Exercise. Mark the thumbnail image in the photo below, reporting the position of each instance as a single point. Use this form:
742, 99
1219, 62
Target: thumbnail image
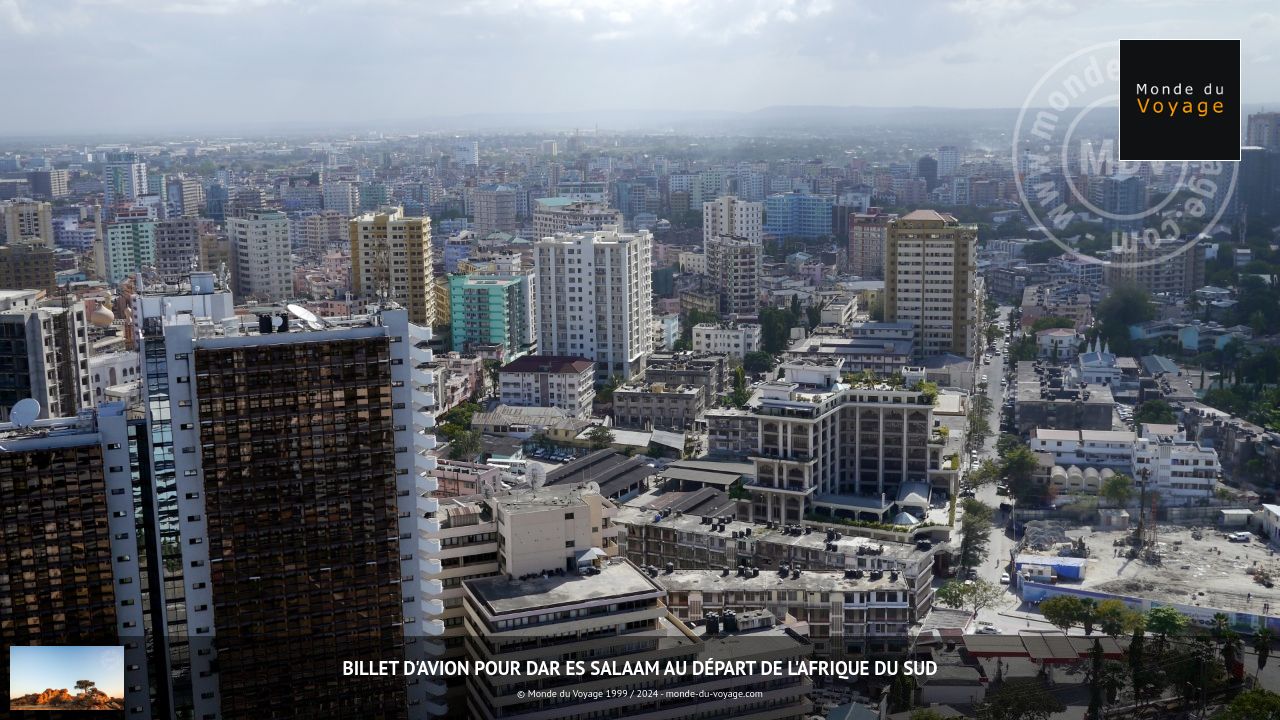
72, 677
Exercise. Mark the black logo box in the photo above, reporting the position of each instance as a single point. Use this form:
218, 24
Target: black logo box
1190, 65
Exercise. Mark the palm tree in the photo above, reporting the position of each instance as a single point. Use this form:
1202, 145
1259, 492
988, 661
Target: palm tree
1232, 649
1262, 645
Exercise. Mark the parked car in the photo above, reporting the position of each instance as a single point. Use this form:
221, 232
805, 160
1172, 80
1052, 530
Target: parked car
1004, 578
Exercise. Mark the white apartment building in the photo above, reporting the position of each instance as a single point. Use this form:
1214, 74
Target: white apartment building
261, 263
494, 209
549, 381
727, 215
595, 298
931, 280
732, 340
342, 197
692, 262
1178, 468
1086, 448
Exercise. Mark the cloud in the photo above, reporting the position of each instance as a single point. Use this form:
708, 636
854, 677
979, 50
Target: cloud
12, 18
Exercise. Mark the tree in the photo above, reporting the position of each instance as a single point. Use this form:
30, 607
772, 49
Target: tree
1165, 622
1256, 704
1137, 659
1020, 699
1118, 489
465, 445
1127, 304
739, 396
876, 309
974, 594
1006, 443
1050, 322
84, 685
1154, 411
1114, 618
1018, 468
987, 472
757, 362
1097, 693
1262, 646
605, 393
975, 532
600, 437
1063, 611
925, 714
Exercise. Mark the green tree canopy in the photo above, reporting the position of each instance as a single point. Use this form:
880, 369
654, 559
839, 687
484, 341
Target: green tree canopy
1118, 489
1155, 411
1020, 699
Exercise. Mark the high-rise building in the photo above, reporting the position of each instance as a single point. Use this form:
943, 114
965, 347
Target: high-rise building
184, 196
124, 178
594, 295
1258, 183
27, 221
320, 231
927, 168
342, 197
1264, 131
49, 184
489, 315
868, 233
1122, 200
734, 266
494, 209
797, 214
466, 152
262, 265
948, 161
557, 215
28, 267
379, 241
727, 215
291, 476
44, 355
71, 550
1160, 267
177, 247
127, 248
931, 280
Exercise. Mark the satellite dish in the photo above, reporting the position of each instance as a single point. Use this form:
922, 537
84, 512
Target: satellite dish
277, 321
591, 488
307, 317
25, 412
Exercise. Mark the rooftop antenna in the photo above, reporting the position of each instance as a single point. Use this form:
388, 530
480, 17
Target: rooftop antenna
307, 317
24, 413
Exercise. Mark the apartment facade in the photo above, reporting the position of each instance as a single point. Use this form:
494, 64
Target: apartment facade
868, 236
28, 267
931, 281
27, 221
727, 216
1164, 267
177, 247
595, 299
45, 356
262, 265
489, 315
658, 406
391, 257
734, 341
567, 383
734, 265
494, 209
557, 215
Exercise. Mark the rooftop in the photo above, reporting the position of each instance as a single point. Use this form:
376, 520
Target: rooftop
769, 579
548, 363
616, 580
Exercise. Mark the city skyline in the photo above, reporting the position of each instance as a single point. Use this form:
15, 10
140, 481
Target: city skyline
210, 58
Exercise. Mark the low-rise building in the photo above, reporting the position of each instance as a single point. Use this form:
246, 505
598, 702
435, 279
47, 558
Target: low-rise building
1174, 466
660, 406
708, 371
549, 381
1057, 343
726, 339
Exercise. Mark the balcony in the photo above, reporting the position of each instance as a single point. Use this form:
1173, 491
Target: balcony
433, 687
431, 587
435, 606
433, 628
430, 526
435, 709
423, 376
427, 504
424, 440
419, 333
428, 483
424, 420
431, 566
424, 398
431, 546
426, 463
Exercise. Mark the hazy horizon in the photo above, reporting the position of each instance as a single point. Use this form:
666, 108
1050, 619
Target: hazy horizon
147, 66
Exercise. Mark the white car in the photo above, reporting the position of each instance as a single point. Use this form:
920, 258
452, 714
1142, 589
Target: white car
1004, 578
985, 378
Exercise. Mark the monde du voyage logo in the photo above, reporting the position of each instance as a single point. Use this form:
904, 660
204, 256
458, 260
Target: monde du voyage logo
1180, 100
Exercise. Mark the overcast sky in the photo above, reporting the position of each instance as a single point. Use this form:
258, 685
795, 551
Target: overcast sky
147, 65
